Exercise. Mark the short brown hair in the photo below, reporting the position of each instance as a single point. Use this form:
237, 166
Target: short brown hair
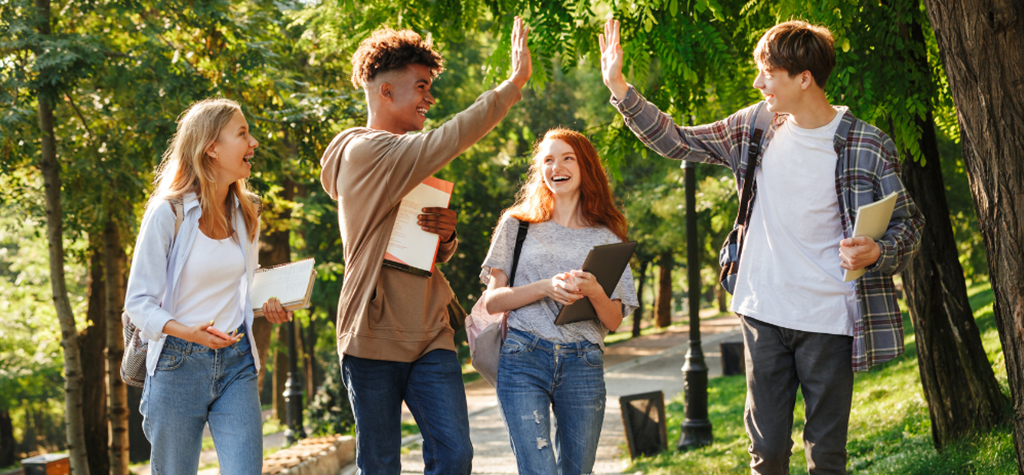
387, 50
798, 46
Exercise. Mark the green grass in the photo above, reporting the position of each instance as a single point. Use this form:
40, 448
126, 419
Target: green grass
625, 333
409, 428
890, 431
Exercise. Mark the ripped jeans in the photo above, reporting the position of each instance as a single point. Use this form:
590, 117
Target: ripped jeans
536, 374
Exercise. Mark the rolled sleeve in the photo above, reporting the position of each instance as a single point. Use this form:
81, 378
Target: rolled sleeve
446, 250
147, 279
902, 239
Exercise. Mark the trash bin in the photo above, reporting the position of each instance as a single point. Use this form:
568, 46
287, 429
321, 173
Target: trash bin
643, 417
49, 464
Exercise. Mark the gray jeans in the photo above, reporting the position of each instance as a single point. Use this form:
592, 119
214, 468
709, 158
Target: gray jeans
778, 361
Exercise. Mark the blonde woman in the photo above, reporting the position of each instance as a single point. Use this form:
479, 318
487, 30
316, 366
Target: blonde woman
188, 293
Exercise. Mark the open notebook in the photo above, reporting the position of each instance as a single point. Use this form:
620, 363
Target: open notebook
291, 283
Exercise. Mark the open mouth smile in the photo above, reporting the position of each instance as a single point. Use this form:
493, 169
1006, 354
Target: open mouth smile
422, 111
559, 178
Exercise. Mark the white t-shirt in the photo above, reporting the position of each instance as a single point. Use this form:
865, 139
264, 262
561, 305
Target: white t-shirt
211, 282
790, 272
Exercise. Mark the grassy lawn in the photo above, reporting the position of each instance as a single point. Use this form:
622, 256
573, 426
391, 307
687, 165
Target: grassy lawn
889, 427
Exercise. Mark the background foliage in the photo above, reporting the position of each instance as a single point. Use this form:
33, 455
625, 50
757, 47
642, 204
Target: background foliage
121, 71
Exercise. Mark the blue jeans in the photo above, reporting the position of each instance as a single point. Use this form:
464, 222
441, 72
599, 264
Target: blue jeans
194, 385
432, 388
536, 374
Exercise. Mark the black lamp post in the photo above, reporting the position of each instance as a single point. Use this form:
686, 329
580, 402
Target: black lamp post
696, 429
293, 392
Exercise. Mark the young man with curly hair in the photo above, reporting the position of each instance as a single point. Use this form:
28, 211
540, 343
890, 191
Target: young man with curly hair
803, 325
394, 339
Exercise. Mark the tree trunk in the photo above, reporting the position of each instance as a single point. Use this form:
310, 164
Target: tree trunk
309, 358
7, 442
281, 374
50, 168
638, 314
663, 307
982, 47
961, 389
275, 249
92, 343
261, 332
113, 276
139, 448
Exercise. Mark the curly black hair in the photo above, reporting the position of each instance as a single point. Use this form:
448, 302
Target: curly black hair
388, 49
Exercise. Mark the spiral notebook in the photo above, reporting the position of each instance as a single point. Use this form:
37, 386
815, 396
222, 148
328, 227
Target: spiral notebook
291, 283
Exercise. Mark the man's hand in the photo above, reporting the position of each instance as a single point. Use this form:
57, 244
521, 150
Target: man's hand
440, 221
522, 64
611, 60
858, 253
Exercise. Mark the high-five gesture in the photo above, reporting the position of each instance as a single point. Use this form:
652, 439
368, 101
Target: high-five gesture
522, 64
611, 60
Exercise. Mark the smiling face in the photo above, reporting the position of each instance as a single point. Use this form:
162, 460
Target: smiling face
407, 97
560, 167
783, 92
233, 151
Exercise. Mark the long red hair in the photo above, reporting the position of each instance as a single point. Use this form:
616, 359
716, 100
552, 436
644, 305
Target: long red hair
535, 202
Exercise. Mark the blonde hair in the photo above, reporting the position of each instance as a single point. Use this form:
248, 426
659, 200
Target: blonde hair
186, 167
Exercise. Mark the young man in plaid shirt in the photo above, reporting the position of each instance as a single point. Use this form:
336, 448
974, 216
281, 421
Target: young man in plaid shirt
803, 326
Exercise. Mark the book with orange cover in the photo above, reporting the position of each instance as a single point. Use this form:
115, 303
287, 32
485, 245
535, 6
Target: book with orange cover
410, 248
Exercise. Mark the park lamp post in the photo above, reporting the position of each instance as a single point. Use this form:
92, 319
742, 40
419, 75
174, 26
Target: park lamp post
293, 392
696, 428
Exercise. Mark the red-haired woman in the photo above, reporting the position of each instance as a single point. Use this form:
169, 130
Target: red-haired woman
568, 205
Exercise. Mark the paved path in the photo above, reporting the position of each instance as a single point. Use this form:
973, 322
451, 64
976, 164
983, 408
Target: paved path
648, 363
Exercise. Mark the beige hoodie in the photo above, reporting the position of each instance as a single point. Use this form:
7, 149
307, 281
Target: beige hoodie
384, 313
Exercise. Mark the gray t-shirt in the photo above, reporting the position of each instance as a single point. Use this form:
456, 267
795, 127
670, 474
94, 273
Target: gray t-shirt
551, 249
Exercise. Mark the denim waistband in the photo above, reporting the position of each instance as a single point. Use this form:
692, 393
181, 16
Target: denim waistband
187, 347
536, 342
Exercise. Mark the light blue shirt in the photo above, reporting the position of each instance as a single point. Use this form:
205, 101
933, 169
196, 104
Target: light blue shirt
151, 296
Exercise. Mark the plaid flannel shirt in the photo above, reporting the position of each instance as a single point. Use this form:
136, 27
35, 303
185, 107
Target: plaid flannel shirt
867, 170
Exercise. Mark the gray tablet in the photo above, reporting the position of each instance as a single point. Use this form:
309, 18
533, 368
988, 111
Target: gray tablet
607, 263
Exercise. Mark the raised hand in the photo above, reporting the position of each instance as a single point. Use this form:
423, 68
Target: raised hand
611, 60
522, 64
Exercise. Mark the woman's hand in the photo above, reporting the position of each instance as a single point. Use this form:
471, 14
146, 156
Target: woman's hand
587, 283
563, 290
203, 334
274, 312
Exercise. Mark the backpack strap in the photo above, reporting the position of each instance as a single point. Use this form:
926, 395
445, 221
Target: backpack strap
760, 121
520, 239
